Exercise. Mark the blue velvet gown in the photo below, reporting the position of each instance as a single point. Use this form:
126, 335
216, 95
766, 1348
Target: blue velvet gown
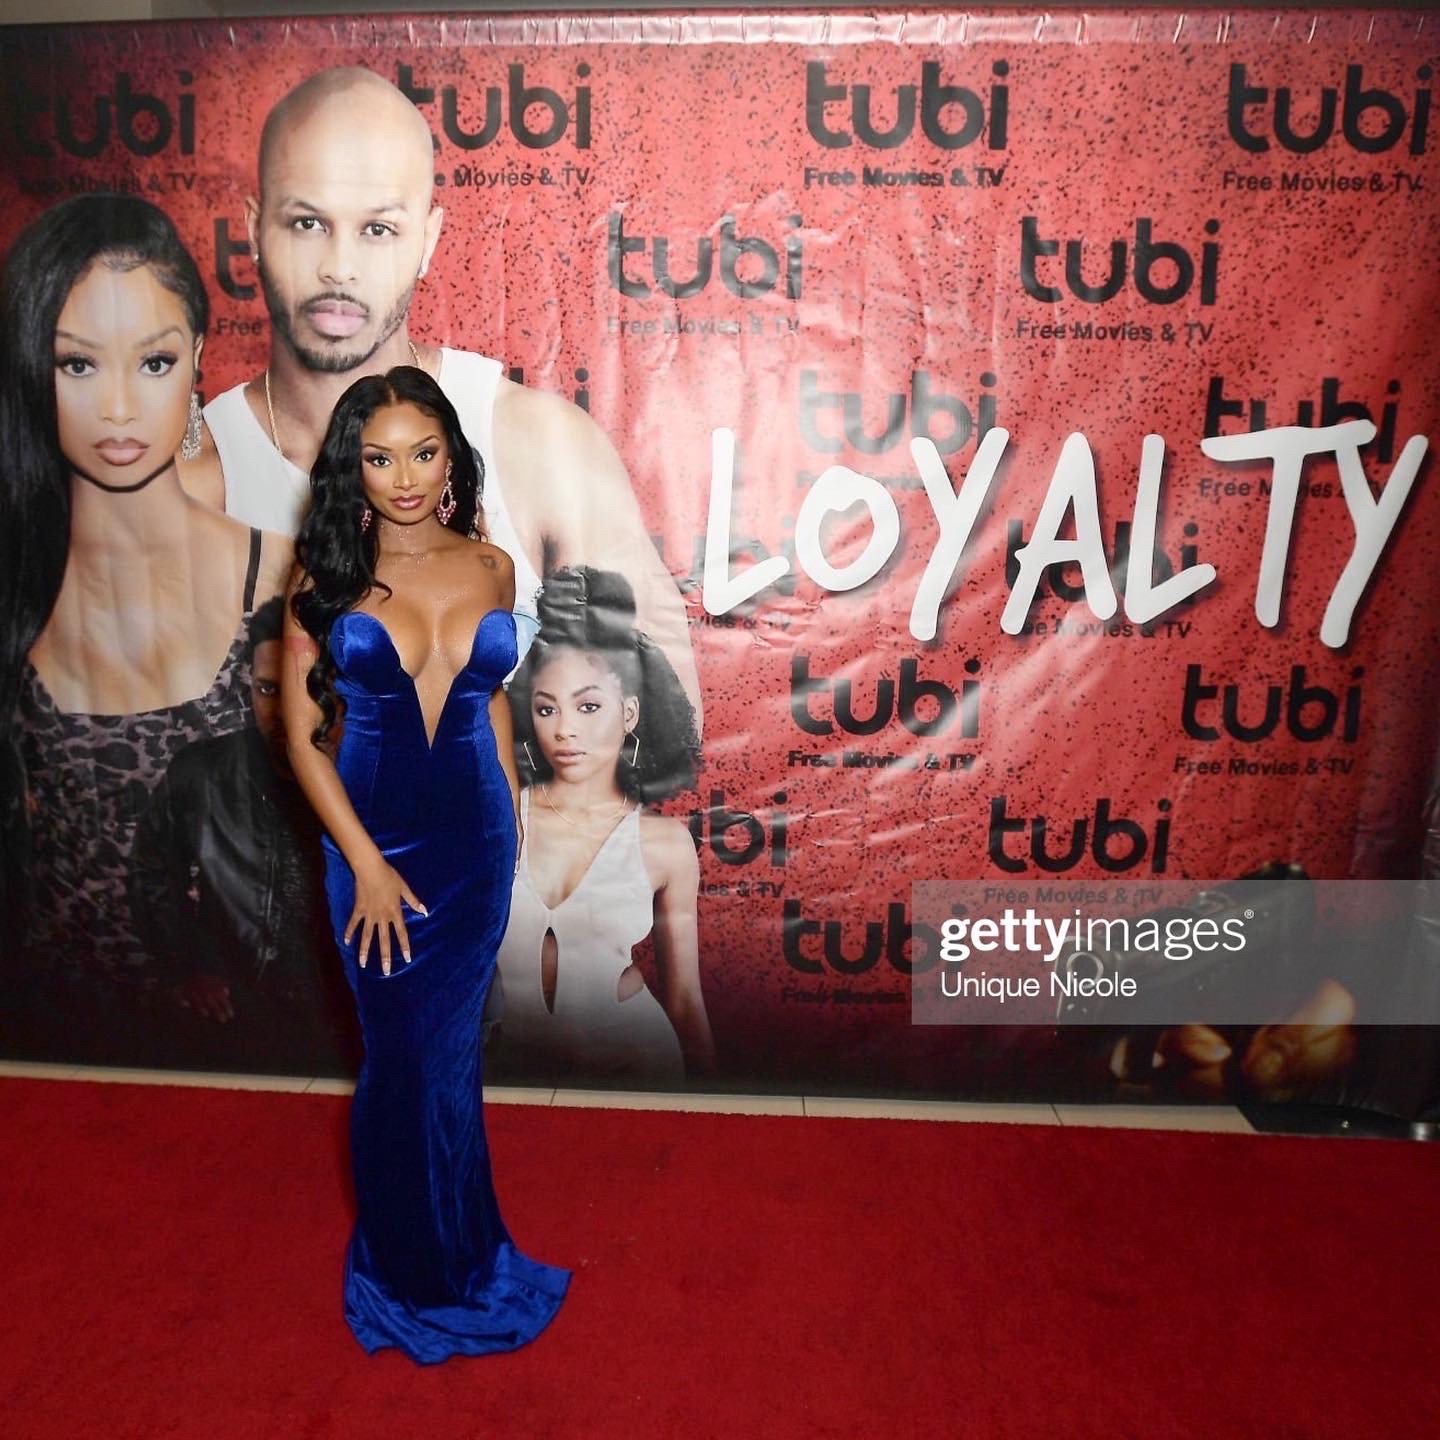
431, 1267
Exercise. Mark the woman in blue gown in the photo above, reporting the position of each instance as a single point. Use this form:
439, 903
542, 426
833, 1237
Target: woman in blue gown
399, 635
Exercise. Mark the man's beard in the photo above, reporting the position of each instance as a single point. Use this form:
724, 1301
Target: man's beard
330, 361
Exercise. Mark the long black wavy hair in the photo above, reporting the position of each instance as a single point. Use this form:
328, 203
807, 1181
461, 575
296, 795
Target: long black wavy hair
593, 611
335, 554
47, 260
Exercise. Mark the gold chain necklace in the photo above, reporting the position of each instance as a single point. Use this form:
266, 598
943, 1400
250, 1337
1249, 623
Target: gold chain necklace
270, 404
620, 814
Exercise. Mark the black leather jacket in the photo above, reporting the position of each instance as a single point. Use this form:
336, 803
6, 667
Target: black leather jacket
227, 873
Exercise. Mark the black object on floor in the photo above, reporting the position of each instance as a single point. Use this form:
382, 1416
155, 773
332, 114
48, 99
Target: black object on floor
1335, 1120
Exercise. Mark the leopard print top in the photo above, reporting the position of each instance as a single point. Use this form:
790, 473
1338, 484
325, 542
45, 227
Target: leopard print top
90, 778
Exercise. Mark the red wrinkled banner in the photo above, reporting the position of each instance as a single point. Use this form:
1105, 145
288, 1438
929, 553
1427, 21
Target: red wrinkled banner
833, 235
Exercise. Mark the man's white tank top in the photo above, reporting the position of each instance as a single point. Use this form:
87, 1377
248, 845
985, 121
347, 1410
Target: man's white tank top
264, 489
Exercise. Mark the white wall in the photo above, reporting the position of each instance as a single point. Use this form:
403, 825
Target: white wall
50, 12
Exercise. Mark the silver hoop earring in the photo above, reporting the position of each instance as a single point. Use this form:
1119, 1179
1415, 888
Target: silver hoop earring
635, 757
190, 443
446, 507
529, 756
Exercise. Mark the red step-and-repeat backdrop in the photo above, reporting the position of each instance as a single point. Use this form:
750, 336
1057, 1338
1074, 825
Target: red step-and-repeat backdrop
981, 256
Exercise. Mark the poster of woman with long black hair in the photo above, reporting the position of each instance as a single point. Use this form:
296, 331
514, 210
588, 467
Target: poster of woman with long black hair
127, 601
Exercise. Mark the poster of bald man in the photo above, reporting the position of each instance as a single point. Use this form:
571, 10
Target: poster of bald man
343, 223
923, 462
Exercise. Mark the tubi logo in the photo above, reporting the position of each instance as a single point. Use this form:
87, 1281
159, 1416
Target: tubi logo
1148, 252
736, 837
935, 100
230, 246
964, 708
887, 937
1292, 701
144, 124
1135, 843
923, 405
1358, 103
509, 106
733, 249
1333, 410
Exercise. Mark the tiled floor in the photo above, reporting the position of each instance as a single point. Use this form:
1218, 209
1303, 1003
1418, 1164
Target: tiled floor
1148, 1117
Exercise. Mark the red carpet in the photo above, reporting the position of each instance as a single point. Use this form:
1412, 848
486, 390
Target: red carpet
171, 1263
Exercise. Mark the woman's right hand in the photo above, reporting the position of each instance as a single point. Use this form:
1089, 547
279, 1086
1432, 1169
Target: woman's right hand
379, 889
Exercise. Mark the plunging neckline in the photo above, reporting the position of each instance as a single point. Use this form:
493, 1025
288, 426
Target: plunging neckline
584, 874
432, 735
